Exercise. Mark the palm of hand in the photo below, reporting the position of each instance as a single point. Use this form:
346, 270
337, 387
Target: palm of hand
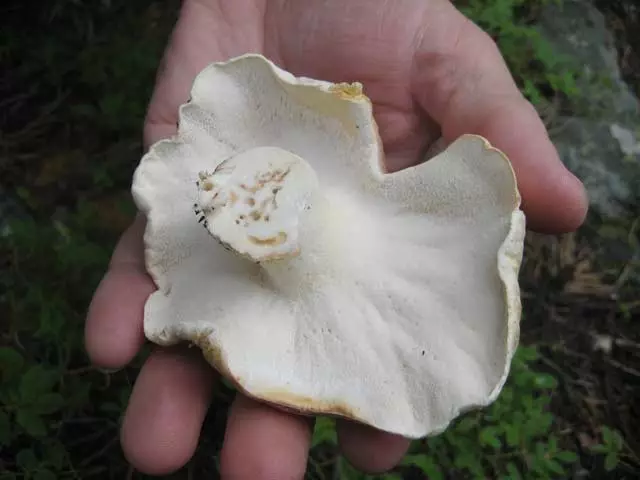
429, 72
352, 41
327, 40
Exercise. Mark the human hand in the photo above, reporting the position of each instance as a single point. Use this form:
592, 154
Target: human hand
430, 73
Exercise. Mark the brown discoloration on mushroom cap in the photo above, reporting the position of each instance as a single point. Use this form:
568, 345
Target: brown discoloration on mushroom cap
271, 241
278, 398
265, 178
304, 404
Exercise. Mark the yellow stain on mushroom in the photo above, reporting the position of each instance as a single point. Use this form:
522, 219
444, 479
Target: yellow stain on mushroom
279, 239
280, 398
348, 91
305, 404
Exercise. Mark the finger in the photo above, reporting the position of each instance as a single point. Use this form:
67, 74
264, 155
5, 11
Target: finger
206, 32
114, 331
461, 80
368, 449
264, 443
167, 407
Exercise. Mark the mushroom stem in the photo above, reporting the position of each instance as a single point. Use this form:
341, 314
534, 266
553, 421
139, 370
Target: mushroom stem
252, 202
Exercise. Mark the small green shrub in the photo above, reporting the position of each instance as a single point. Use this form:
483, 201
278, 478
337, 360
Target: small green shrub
512, 439
539, 71
56, 412
611, 447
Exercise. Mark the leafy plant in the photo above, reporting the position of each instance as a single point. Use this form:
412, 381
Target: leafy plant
514, 438
54, 407
539, 71
611, 447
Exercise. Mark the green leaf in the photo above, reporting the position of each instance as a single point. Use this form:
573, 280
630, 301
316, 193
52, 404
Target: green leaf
618, 440
545, 421
5, 429
31, 422
612, 439
49, 403
538, 424
555, 467
538, 467
11, 361
545, 381
347, 472
426, 464
55, 454
567, 457
44, 474
465, 460
532, 92
512, 434
462, 443
489, 437
324, 432
36, 381
611, 461
466, 424
599, 448
514, 472
26, 459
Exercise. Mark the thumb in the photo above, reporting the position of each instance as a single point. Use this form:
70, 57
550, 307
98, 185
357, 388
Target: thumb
461, 80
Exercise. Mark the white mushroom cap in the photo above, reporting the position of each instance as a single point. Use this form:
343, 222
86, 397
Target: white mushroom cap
387, 298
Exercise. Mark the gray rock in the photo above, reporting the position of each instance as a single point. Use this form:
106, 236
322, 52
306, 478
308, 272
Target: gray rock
600, 143
629, 144
577, 29
590, 150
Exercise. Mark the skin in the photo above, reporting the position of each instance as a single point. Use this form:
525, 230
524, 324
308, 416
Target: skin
430, 72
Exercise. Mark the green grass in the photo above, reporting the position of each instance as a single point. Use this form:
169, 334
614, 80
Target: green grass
73, 105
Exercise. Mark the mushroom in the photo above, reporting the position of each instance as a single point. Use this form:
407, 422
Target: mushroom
314, 279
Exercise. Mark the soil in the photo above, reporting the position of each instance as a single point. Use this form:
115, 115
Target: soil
580, 307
